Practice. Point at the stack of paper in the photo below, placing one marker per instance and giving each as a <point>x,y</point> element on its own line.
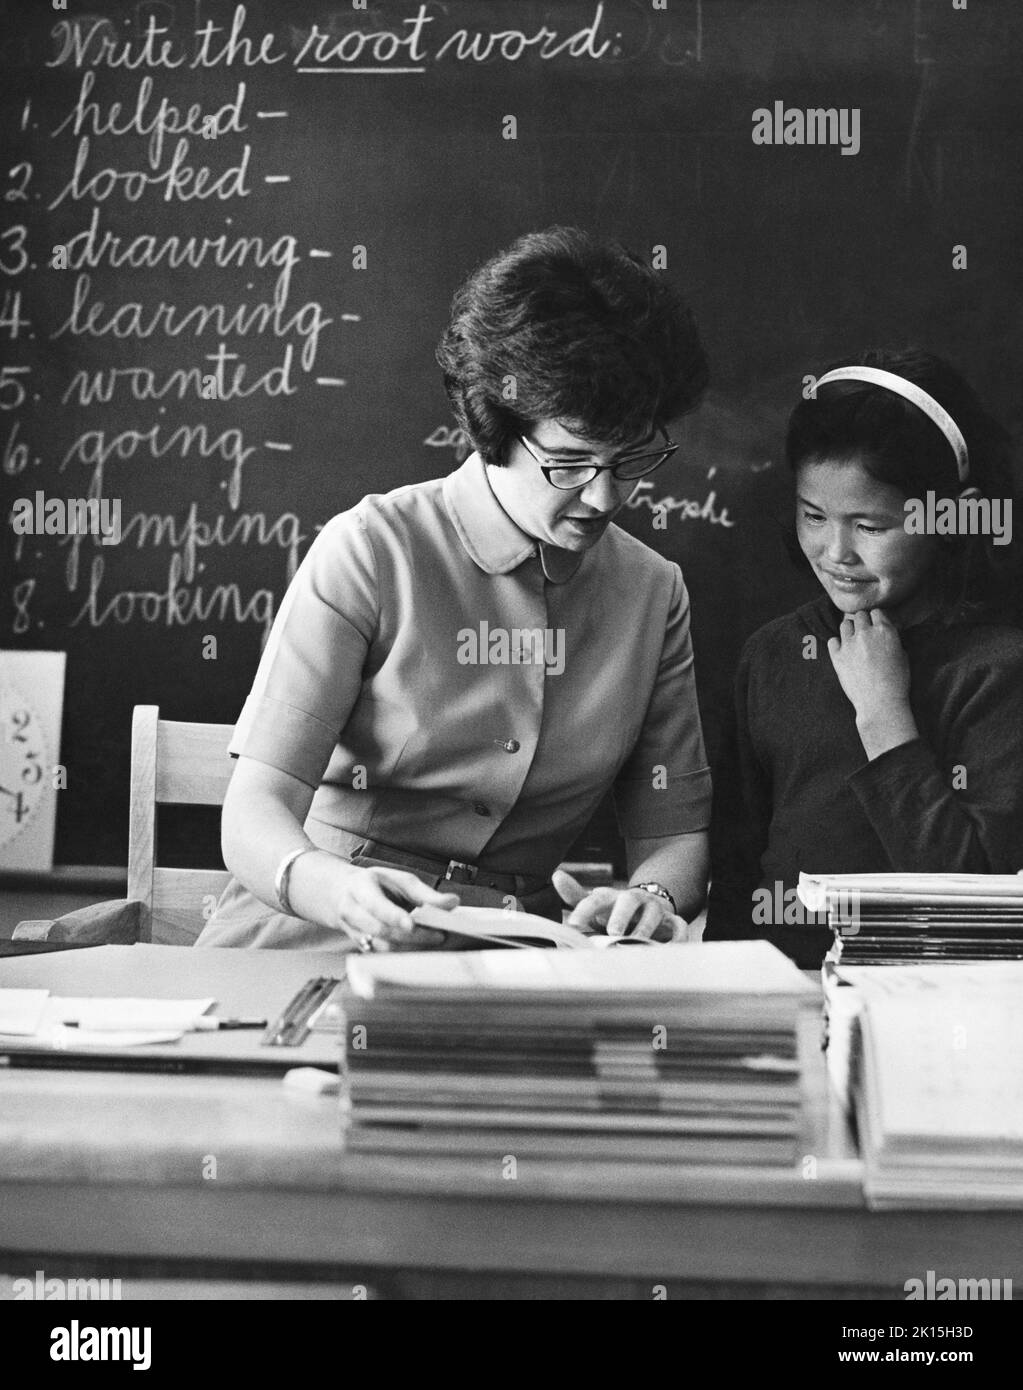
<point>672,1054</point>
<point>936,1084</point>
<point>901,919</point>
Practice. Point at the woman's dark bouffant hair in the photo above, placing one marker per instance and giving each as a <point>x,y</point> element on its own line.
<point>898,444</point>
<point>562,326</point>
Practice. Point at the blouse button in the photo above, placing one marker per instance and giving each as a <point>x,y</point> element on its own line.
<point>480,809</point>
<point>510,745</point>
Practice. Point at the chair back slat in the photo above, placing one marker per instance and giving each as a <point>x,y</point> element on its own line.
<point>182,764</point>
<point>192,763</point>
<point>182,902</point>
<point>142,811</point>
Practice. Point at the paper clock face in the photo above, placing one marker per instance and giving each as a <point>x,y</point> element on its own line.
<point>24,762</point>
<point>31,704</point>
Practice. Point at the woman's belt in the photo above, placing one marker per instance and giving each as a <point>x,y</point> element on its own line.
<point>455,870</point>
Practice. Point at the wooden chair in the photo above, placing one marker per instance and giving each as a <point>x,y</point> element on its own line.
<point>171,764</point>
<point>182,765</point>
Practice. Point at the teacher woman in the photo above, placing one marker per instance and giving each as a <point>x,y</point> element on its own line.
<point>462,668</point>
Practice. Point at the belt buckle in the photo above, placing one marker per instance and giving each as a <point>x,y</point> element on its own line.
<point>457,872</point>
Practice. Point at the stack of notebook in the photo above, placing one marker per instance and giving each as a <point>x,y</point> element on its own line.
<point>671,1054</point>
<point>938,1055</point>
<point>901,919</point>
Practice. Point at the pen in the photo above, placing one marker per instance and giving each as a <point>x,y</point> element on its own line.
<point>205,1024</point>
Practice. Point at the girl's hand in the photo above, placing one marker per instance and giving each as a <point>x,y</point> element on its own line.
<point>619,911</point>
<point>372,906</point>
<point>870,663</point>
<point>873,670</point>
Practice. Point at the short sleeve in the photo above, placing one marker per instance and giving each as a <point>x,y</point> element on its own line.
<point>664,788</point>
<point>310,673</point>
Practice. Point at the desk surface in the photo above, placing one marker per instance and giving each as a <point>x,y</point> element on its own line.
<point>122,1164</point>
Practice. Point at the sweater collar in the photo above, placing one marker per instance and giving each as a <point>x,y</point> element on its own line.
<point>490,537</point>
<point>824,618</point>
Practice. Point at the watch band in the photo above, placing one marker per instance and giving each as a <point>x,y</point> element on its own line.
<point>658,892</point>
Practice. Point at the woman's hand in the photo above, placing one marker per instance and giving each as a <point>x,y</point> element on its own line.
<point>873,670</point>
<point>619,911</point>
<point>372,906</point>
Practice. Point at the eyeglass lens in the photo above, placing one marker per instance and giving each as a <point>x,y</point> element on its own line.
<point>577,475</point>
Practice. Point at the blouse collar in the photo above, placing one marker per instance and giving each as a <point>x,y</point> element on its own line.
<point>490,537</point>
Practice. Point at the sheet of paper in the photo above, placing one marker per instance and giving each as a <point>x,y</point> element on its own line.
<point>489,922</point>
<point>999,981</point>
<point>73,1039</point>
<point>21,1010</point>
<point>130,1015</point>
<point>943,1069</point>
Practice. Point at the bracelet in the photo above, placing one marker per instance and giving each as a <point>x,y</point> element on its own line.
<point>284,874</point>
<point>658,892</point>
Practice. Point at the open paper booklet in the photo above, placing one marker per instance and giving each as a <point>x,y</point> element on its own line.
<point>466,928</point>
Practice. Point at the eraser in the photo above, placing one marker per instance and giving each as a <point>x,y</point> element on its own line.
<point>321,1083</point>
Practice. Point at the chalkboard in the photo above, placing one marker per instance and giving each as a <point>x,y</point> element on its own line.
<point>263,211</point>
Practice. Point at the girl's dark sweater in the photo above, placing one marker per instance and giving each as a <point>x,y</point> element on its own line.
<point>795,791</point>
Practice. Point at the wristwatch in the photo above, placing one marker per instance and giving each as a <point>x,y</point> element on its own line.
<point>658,892</point>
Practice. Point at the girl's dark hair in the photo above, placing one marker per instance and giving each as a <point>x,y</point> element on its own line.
<point>562,326</point>
<point>898,444</point>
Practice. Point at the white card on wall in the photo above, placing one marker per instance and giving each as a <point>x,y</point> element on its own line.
<point>31,775</point>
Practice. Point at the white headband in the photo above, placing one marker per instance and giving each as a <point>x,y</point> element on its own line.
<point>920,399</point>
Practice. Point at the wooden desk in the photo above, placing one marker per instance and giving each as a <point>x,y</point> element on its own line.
<point>107,1170</point>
